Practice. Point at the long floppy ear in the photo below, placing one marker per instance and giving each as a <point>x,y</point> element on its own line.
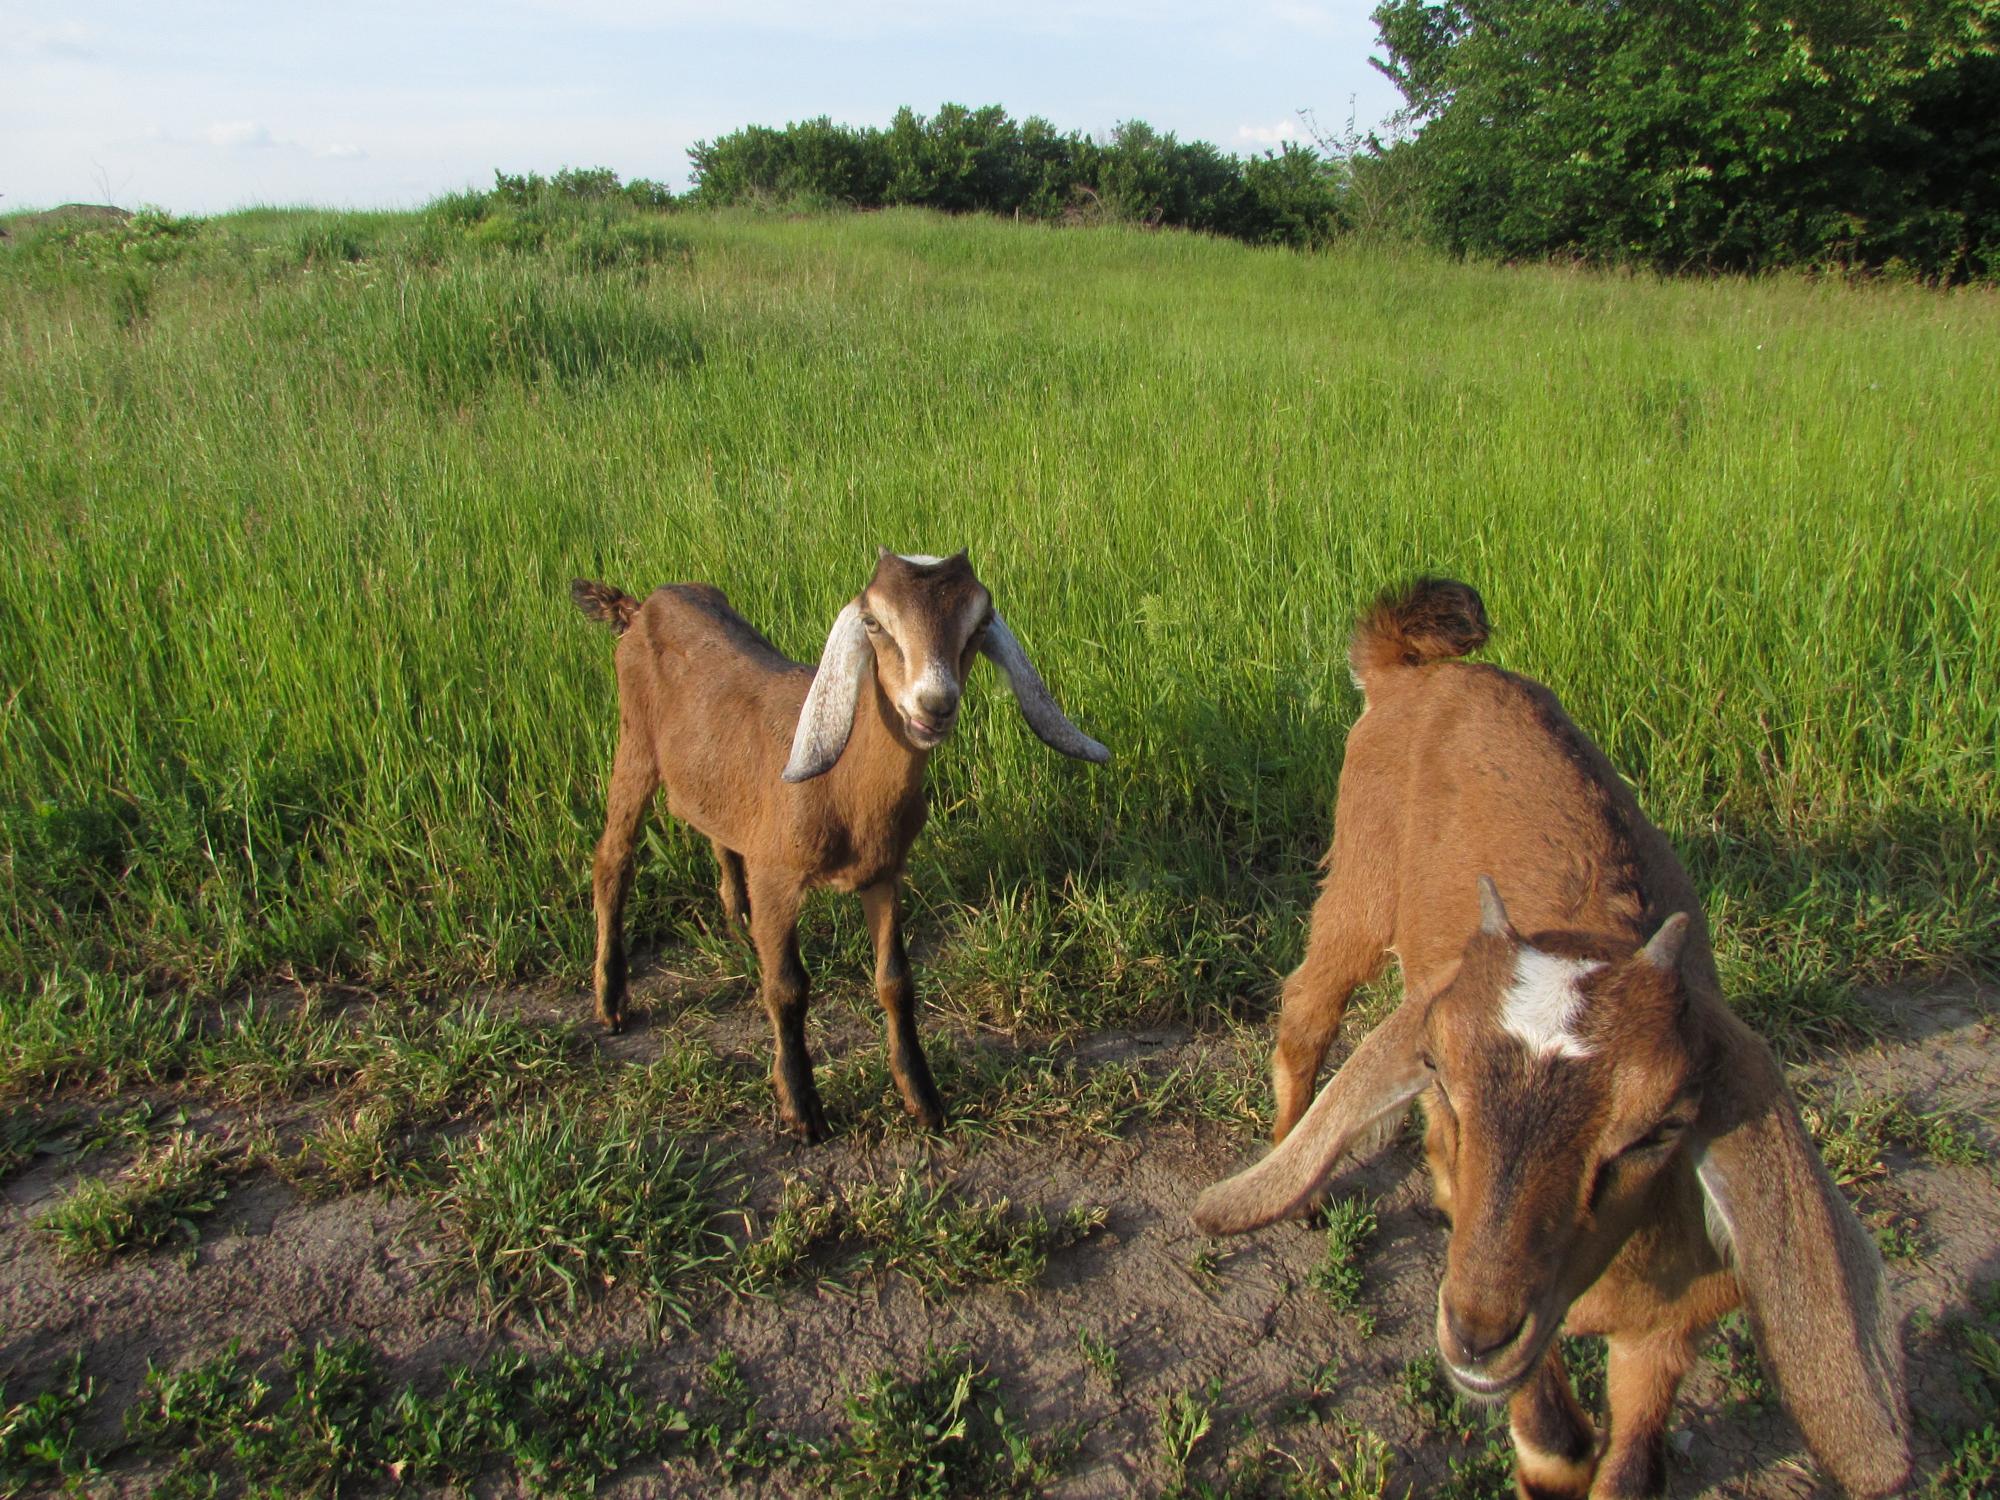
<point>1380,1078</point>
<point>828,716</point>
<point>1037,707</point>
<point>1810,1273</point>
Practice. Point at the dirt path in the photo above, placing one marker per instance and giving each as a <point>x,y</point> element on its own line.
<point>1235,1325</point>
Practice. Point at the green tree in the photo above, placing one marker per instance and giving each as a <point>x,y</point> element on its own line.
<point>1720,133</point>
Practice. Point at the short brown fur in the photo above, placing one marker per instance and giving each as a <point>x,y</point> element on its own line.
<point>709,709</point>
<point>1581,1166</point>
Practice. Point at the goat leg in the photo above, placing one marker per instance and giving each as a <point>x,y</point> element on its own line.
<point>1643,1376</point>
<point>634,777</point>
<point>774,907</point>
<point>735,889</point>
<point>897,994</point>
<point>1555,1446</point>
<point>1340,955</point>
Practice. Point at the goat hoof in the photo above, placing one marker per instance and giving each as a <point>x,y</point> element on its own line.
<point>927,1113</point>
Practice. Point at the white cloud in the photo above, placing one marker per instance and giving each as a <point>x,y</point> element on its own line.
<point>1270,135</point>
<point>341,151</point>
<point>62,39</point>
<point>239,134</point>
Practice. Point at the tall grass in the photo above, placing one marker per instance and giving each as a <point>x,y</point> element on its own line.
<point>292,680</point>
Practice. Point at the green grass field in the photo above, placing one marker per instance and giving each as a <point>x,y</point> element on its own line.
<point>303,747</point>
<point>294,685</point>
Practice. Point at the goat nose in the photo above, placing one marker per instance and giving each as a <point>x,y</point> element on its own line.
<point>938,701</point>
<point>1479,1336</point>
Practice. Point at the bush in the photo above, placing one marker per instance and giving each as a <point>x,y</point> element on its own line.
<point>964,160</point>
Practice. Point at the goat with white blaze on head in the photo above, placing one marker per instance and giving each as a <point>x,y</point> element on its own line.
<point>800,777</point>
<point>1616,1152</point>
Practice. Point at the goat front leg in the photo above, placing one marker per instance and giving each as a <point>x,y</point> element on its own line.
<point>1341,954</point>
<point>1642,1377</point>
<point>774,926</point>
<point>1555,1445</point>
<point>897,994</point>
<point>634,778</point>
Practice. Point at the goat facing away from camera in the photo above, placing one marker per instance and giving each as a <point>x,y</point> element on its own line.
<point>800,777</point>
<point>1615,1152</point>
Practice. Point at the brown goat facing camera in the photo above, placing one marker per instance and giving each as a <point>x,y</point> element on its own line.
<point>1616,1153</point>
<point>800,777</point>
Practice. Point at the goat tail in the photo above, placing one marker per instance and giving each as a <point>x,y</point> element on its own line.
<point>1424,621</point>
<point>603,603</point>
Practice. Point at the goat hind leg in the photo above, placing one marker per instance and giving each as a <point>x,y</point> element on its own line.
<point>634,778</point>
<point>735,888</point>
<point>1555,1446</point>
<point>774,917</point>
<point>897,994</point>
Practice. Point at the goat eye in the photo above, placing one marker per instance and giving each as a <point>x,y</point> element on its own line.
<point>874,625</point>
<point>1659,1135</point>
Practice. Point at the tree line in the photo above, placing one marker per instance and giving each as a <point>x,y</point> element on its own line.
<point>1684,135</point>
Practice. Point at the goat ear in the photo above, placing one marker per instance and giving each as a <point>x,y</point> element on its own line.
<point>1379,1079</point>
<point>1492,911</point>
<point>1037,707</point>
<point>1810,1273</point>
<point>828,716</point>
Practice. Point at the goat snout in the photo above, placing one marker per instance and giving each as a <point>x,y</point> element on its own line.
<point>931,707</point>
<point>1476,1337</point>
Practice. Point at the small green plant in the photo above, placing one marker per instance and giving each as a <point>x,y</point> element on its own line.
<point>1100,1354</point>
<point>39,1444</point>
<point>1181,1420</point>
<point>1362,1471</point>
<point>162,1195</point>
<point>1971,1470</point>
<point>1350,1229</point>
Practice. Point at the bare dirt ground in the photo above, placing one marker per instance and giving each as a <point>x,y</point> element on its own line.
<point>1235,1323</point>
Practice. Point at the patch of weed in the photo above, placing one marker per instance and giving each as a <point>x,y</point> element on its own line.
<point>39,1444</point>
<point>197,1416</point>
<point>1586,1359</point>
<point>328,1430</point>
<point>1733,1354</point>
<point>89,1030</point>
<point>734,1432</point>
<point>560,1423</point>
<point>939,1433</point>
<point>161,1195</point>
<point>917,1229</point>
<point>543,1206</point>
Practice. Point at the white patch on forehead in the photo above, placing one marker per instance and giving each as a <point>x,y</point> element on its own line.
<point>1545,1002</point>
<point>921,559</point>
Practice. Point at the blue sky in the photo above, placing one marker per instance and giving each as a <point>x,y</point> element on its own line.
<point>201,106</point>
